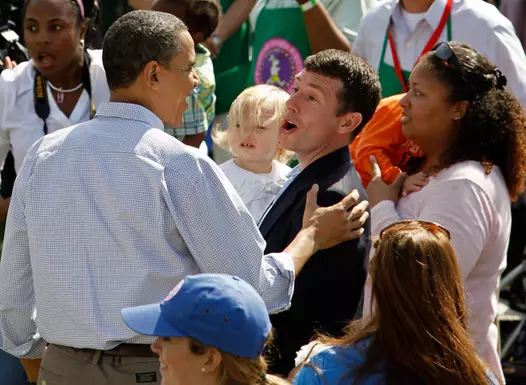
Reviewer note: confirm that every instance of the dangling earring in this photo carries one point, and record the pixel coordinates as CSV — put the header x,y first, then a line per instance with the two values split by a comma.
x,y
82,43
203,370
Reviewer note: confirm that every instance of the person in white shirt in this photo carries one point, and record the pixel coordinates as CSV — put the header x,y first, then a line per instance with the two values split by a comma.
x,y
258,170
63,80
416,26
472,130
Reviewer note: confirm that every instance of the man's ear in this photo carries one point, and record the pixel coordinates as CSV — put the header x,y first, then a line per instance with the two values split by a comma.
x,y
150,74
349,121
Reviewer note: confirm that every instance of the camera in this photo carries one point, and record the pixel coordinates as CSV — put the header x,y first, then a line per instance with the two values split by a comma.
x,y
10,13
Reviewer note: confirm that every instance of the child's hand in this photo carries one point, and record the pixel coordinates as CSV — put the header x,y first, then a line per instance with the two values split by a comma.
x,y
414,183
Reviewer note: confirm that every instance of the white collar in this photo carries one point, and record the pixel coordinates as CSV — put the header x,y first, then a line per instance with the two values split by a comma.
x,y
433,14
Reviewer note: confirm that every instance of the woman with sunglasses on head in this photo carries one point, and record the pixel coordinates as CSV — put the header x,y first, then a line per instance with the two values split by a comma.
x,y
211,330
473,132
60,86
417,331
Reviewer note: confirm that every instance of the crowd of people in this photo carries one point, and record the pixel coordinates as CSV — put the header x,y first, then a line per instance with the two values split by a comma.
x,y
259,192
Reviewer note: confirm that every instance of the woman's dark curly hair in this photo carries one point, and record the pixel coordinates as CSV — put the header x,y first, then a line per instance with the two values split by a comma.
x,y
493,130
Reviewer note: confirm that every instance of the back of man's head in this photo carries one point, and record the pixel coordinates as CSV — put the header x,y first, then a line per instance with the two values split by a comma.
x,y
361,90
136,39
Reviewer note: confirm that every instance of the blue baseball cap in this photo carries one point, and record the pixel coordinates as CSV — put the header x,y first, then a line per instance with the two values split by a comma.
x,y
218,310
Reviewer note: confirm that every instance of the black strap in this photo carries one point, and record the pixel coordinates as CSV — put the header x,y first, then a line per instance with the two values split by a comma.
x,y
39,90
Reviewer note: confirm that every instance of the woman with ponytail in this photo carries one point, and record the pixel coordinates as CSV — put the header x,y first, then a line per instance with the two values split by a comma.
x,y
472,130
62,84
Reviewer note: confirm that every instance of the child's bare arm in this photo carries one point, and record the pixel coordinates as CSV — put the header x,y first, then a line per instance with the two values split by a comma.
x,y
414,183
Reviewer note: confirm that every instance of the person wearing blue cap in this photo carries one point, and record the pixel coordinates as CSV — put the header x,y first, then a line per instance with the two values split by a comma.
x,y
211,329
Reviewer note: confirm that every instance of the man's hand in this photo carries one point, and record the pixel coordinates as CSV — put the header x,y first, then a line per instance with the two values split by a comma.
x,y
338,223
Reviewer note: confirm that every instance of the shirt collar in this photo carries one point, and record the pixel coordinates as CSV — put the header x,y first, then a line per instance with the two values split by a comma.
x,y
129,111
433,14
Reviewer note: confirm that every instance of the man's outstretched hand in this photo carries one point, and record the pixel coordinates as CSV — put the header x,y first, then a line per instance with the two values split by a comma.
x,y
338,223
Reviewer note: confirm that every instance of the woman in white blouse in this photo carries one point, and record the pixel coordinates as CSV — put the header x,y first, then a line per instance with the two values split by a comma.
x,y
473,132
60,86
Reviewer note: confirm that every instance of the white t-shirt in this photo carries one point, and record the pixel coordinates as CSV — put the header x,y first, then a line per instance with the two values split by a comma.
x,y
256,190
346,14
20,126
474,22
476,210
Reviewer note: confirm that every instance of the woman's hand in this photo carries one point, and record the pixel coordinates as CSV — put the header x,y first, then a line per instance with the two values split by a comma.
x,y
9,64
378,190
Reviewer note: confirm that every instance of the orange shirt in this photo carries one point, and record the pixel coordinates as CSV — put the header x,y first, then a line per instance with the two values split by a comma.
x,y
382,137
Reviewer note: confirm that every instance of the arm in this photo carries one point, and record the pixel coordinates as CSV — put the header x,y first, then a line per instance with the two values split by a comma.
x,y
510,59
380,137
6,104
195,122
322,31
233,244
18,330
232,20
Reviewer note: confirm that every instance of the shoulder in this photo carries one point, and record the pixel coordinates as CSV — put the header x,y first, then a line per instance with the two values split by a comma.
x,y
101,92
51,143
471,176
282,170
96,64
482,14
229,168
382,11
333,364
19,79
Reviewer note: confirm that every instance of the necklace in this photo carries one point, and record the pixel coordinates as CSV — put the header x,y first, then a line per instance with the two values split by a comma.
x,y
61,92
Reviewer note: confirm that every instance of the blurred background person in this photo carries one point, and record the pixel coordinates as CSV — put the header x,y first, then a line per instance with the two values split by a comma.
x,y
472,131
68,76
416,333
394,35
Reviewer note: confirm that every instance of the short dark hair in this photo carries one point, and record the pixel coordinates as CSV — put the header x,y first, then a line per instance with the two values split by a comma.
x,y
361,90
494,126
201,16
134,40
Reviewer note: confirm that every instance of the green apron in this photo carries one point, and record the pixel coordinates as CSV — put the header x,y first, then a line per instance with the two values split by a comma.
x,y
231,65
280,45
388,78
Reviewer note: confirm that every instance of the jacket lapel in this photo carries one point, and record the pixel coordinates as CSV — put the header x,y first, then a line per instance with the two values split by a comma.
x,y
301,185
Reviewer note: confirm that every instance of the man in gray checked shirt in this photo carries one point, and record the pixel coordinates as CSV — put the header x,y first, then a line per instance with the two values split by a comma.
x,y
112,213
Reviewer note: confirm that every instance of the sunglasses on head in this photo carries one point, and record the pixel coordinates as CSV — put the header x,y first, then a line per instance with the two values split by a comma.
x,y
430,226
445,53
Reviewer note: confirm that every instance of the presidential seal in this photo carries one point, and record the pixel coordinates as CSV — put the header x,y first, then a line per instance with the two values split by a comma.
x,y
277,64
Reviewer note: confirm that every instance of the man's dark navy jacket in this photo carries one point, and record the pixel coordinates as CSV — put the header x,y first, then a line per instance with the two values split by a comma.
x,y
328,291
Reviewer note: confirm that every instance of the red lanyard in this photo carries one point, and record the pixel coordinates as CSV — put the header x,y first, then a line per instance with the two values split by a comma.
x,y
430,44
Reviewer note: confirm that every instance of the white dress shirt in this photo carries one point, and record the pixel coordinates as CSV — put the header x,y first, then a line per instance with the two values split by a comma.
x,y
113,213
256,190
475,208
20,126
474,22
